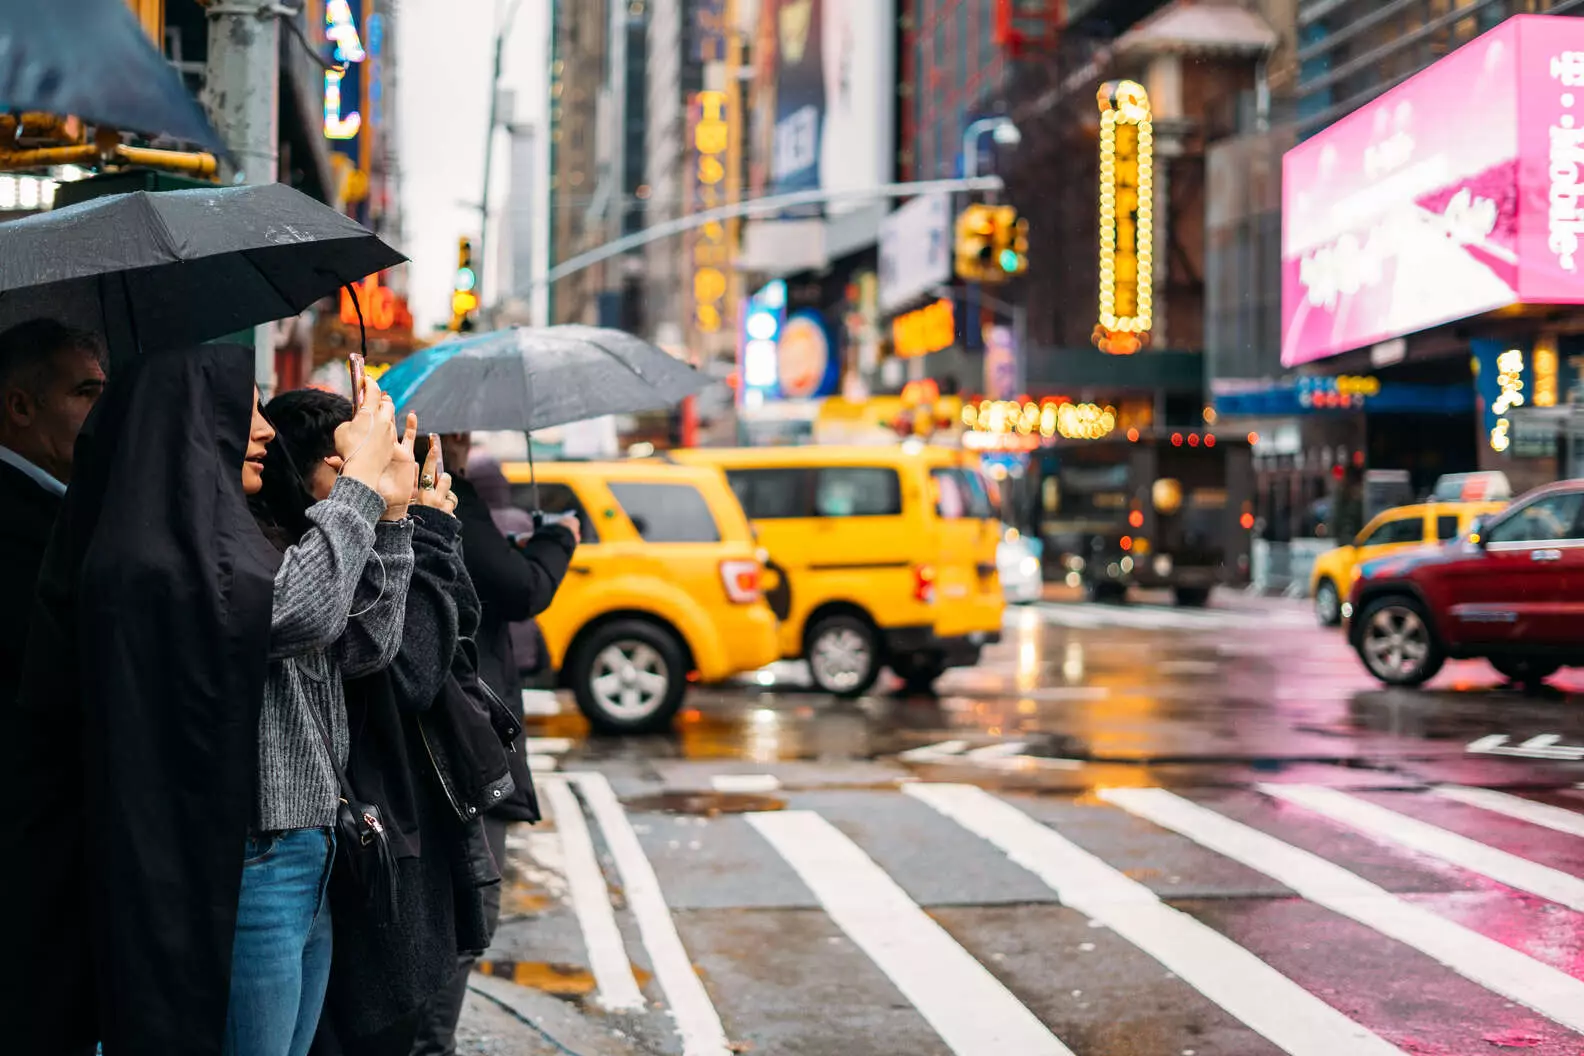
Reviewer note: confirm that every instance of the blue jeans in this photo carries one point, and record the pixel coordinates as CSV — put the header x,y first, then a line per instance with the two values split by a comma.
x,y
280,962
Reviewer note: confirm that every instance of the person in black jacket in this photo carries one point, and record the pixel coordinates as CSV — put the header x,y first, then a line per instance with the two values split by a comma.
x,y
50,378
514,582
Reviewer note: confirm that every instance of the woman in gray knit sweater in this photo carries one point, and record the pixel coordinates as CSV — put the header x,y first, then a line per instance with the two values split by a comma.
x,y
339,599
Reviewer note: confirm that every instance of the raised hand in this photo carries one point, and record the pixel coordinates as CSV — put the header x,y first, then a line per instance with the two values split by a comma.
x,y
366,444
400,475
434,490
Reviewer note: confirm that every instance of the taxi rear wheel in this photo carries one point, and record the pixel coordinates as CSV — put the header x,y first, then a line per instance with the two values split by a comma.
x,y
629,676
1328,603
843,655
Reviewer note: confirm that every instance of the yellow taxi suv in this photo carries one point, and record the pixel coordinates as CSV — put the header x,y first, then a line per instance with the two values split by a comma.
x,y
1401,528
878,556
664,589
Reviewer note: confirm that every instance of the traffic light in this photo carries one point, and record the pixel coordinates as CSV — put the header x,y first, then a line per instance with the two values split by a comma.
x,y
992,243
1011,241
976,228
464,292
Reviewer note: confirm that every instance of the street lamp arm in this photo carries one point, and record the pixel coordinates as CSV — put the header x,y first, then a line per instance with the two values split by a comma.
x,y
756,207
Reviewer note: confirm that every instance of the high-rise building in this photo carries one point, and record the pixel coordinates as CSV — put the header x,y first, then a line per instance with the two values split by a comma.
x,y
1352,50
598,114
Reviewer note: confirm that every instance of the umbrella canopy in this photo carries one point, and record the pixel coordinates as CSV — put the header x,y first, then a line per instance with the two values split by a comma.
x,y
535,378
177,268
89,58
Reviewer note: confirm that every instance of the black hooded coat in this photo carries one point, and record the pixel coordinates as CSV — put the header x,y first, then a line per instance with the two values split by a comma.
x,y
128,771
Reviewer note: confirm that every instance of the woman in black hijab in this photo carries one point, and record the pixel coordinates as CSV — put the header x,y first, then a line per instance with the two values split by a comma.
x,y
132,776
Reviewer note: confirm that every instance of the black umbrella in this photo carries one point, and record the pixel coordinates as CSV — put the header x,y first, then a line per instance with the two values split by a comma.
x,y
90,58
529,378
177,268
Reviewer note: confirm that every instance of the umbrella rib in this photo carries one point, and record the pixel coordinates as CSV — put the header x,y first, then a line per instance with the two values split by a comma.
x,y
169,235
247,256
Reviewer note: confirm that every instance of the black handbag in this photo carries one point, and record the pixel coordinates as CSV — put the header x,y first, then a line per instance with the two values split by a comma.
x,y
361,839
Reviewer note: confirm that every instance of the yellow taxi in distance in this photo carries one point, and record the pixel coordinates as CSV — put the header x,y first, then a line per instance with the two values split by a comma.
x,y
664,589
1400,528
878,556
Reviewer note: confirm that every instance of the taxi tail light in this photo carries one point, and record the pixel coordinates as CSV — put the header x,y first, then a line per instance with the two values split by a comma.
x,y
742,581
924,584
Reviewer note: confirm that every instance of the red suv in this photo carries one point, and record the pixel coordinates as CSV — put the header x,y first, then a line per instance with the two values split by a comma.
x,y
1511,591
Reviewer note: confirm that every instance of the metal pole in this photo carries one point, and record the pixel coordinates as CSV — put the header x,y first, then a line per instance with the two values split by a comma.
x,y
754,207
501,33
241,93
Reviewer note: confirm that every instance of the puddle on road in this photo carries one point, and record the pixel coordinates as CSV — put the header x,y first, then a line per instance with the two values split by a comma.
x,y
707,804
558,980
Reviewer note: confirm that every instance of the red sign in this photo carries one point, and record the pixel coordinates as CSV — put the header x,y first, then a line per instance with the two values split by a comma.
x,y
382,309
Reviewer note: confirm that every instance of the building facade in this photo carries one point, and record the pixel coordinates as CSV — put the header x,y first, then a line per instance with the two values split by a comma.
x,y
1391,391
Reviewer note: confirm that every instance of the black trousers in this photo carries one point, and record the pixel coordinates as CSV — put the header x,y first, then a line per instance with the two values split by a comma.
x,y
438,1025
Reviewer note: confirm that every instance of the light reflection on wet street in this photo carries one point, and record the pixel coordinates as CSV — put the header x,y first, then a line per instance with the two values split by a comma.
x,y
999,817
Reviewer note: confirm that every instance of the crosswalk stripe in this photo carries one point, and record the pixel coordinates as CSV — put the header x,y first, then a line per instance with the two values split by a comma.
x,y
1421,836
1543,814
1265,1000
1483,960
974,1014
696,1019
617,989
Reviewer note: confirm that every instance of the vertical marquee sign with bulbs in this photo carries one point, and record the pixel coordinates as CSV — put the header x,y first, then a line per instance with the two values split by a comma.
x,y
1127,218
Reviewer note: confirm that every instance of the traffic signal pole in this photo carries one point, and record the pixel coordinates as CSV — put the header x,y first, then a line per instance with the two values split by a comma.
x,y
755,207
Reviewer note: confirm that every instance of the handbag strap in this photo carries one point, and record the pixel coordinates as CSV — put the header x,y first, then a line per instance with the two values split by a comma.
x,y
324,735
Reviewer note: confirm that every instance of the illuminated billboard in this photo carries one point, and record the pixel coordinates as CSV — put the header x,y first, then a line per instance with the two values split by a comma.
x,y
1455,193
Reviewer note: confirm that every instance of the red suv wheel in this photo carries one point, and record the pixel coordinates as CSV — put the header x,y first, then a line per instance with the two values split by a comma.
x,y
1396,642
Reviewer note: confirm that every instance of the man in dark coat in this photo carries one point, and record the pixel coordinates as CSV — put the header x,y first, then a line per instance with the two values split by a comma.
x,y
50,376
514,582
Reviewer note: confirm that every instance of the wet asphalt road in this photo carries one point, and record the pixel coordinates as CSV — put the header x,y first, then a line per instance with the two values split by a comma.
x,y
1132,830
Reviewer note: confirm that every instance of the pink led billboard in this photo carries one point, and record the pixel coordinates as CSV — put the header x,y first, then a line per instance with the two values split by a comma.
x,y
1459,191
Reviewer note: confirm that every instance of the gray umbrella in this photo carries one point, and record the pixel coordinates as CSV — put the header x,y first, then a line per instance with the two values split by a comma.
x,y
534,378
176,268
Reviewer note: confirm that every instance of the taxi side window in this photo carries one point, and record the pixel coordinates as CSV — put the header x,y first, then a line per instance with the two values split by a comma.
x,y
1402,530
772,494
556,498
857,491
1544,520
1447,527
667,513
960,494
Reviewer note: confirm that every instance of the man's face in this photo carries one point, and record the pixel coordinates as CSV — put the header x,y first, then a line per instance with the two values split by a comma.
x,y
42,420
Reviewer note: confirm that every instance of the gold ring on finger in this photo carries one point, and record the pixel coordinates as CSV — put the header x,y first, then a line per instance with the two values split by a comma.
x,y
426,482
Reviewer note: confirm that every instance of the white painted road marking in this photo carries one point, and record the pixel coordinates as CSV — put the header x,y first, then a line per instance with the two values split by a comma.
x,y
1485,961
591,902
1268,1002
540,702
1543,814
1544,746
748,783
1005,757
967,1006
1435,841
996,751
697,1021
932,752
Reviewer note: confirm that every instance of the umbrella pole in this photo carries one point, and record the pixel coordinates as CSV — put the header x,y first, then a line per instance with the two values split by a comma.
x,y
357,306
533,480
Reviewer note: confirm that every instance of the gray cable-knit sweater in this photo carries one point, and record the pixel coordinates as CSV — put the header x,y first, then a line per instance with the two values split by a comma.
x,y
340,596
